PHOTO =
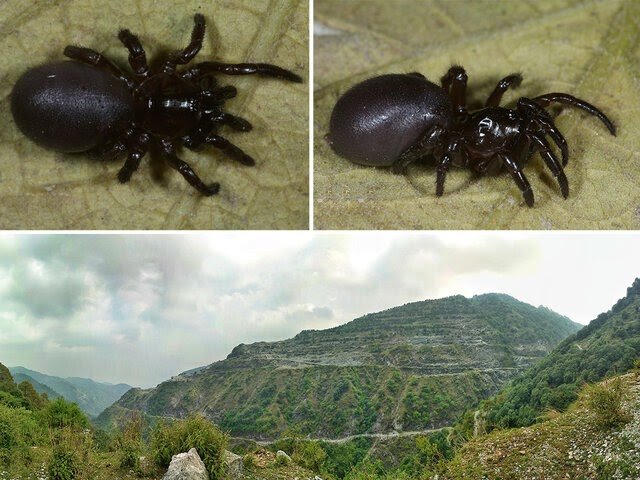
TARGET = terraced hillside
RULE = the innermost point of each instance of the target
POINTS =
(414, 367)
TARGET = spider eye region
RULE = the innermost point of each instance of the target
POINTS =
(490, 131)
(486, 127)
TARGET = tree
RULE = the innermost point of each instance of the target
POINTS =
(60, 413)
(35, 401)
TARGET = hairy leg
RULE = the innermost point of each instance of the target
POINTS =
(137, 55)
(230, 149)
(544, 122)
(91, 57)
(237, 123)
(184, 56)
(137, 149)
(546, 99)
(417, 151)
(442, 170)
(455, 82)
(263, 69)
(168, 151)
(552, 162)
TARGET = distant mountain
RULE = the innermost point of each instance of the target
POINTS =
(413, 367)
(38, 387)
(91, 396)
(609, 344)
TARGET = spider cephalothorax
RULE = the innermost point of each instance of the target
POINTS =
(91, 104)
(395, 120)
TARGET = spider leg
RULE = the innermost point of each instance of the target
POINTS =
(445, 163)
(455, 82)
(182, 57)
(137, 55)
(91, 57)
(518, 176)
(550, 129)
(131, 164)
(442, 170)
(237, 123)
(198, 135)
(264, 69)
(230, 149)
(510, 81)
(552, 162)
(137, 150)
(114, 151)
(418, 151)
(168, 151)
(116, 147)
(543, 120)
(545, 100)
(226, 92)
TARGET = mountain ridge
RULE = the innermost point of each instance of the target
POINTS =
(607, 345)
(91, 396)
(410, 367)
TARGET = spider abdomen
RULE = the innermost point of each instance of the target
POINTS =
(377, 120)
(70, 106)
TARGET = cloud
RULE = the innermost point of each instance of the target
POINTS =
(45, 292)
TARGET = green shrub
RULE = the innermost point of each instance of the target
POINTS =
(130, 456)
(59, 413)
(11, 400)
(309, 454)
(341, 457)
(249, 461)
(33, 400)
(103, 440)
(606, 402)
(369, 470)
(7, 436)
(64, 464)
(130, 444)
(197, 432)
(18, 430)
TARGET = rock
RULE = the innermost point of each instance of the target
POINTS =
(234, 465)
(282, 457)
(186, 466)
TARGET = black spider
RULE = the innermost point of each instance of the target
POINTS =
(91, 104)
(395, 120)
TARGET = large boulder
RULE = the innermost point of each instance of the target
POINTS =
(234, 465)
(186, 466)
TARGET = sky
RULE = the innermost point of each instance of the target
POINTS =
(140, 308)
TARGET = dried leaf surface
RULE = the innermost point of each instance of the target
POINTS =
(40, 189)
(590, 49)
